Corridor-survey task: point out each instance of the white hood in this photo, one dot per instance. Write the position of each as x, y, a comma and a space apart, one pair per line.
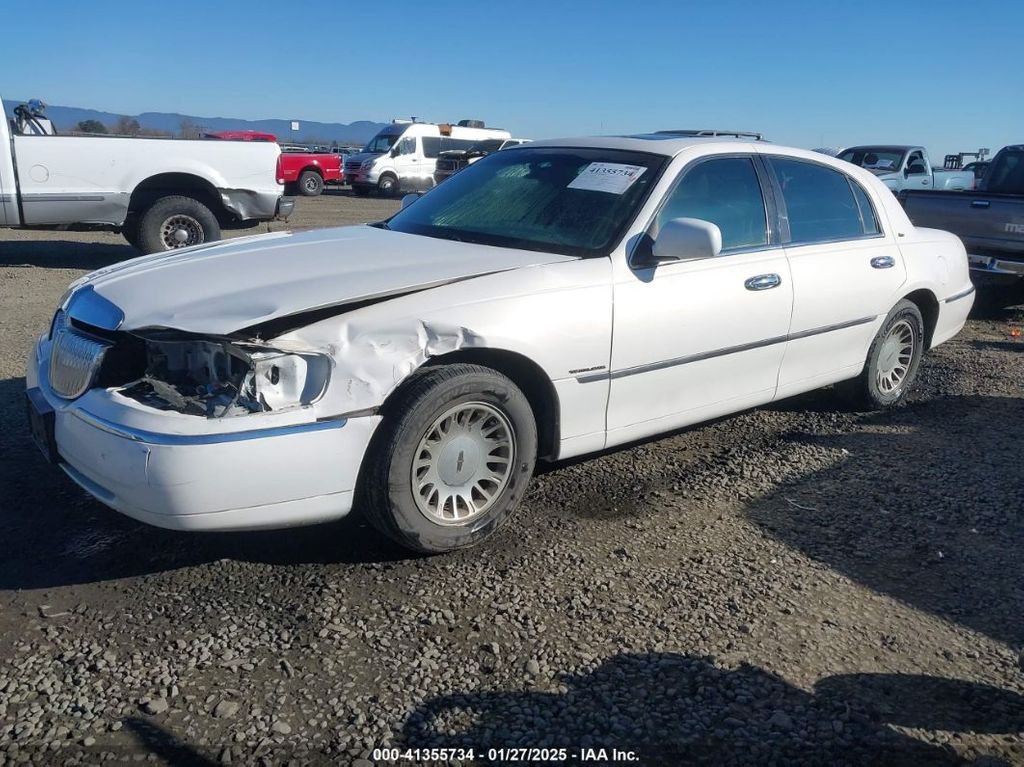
220, 288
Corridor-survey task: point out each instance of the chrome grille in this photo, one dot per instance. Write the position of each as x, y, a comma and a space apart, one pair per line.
74, 359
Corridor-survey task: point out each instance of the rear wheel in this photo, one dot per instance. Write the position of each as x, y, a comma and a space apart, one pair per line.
451, 460
176, 222
892, 363
311, 184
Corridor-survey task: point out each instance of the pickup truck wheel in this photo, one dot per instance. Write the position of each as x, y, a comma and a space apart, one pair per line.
387, 186
451, 459
311, 184
176, 222
892, 363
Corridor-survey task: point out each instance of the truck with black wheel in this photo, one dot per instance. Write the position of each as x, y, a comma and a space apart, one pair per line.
160, 193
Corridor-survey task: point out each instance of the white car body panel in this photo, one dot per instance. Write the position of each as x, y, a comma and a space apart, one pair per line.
628, 350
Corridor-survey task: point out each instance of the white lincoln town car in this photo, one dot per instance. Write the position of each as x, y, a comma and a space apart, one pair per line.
549, 301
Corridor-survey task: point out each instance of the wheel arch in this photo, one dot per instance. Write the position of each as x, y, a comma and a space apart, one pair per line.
926, 303
186, 184
315, 168
524, 373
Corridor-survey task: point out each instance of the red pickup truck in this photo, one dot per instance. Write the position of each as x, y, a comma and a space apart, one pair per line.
303, 173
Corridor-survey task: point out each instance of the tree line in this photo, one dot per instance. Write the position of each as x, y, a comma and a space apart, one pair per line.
129, 126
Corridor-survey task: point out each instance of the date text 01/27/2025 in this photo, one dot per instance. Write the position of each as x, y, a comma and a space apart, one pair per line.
517, 754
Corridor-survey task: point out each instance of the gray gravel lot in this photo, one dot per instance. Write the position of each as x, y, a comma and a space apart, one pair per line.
794, 584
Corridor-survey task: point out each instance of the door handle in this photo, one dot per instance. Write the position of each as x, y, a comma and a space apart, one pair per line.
763, 282
980, 203
883, 262
924, 183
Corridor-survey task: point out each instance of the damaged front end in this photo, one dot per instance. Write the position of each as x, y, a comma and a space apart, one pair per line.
220, 377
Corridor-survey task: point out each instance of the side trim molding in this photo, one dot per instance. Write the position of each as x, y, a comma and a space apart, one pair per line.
157, 438
661, 365
958, 296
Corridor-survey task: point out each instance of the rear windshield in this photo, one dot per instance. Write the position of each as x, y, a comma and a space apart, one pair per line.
876, 159
567, 201
1006, 174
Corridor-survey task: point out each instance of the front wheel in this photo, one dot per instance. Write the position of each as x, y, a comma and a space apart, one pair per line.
893, 359
176, 222
387, 186
451, 460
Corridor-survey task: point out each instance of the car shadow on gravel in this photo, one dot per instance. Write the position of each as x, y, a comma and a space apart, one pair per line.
922, 504
53, 534
63, 254
672, 709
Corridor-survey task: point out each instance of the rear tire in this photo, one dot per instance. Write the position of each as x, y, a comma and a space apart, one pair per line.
451, 460
892, 362
176, 222
311, 184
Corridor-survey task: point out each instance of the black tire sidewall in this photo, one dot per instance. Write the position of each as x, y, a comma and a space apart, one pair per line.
394, 503
307, 176
382, 185
149, 237
905, 310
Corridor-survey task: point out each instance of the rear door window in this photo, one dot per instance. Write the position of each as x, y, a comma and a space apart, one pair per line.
820, 202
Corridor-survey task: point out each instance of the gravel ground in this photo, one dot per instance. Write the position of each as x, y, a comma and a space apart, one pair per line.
793, 584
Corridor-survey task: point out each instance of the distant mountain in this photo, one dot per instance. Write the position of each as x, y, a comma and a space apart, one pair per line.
359, 132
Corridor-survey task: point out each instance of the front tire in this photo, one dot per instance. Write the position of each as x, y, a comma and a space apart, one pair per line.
311, 184
892, 363
387, 186
451, 460
176, 222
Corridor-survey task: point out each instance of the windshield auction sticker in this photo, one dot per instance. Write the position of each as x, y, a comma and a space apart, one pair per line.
611, 177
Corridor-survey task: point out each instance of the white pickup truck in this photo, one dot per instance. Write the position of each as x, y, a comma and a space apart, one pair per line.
906, 167
161, 194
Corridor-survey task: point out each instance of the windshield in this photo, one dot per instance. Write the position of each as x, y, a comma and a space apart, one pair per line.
875, 158
568, 201
382, 143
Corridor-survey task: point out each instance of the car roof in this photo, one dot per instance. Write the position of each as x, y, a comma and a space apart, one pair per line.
668, 144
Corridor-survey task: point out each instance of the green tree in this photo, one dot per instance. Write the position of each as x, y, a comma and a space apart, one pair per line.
91, 126
127, 126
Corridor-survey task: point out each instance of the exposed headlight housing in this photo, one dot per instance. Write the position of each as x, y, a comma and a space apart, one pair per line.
217, 378
367, 164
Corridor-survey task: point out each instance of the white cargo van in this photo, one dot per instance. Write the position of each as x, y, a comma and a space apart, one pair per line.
402, 157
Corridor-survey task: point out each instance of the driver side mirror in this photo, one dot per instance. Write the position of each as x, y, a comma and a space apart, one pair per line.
394, 151
687, 239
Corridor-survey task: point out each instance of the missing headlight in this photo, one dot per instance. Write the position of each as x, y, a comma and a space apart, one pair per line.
218, 378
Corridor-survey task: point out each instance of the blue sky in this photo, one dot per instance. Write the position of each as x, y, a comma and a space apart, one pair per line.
940, 73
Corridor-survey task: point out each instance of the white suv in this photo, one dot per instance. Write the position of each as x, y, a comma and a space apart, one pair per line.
554, 299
